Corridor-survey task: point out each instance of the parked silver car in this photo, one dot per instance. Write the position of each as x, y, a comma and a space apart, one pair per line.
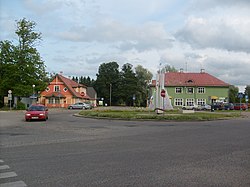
205, 107
79, 105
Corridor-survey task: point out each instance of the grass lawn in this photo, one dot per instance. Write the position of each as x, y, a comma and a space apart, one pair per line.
145, 114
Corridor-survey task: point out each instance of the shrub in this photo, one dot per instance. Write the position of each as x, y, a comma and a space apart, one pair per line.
20, 106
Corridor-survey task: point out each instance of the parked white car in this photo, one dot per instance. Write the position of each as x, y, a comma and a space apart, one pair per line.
190, 107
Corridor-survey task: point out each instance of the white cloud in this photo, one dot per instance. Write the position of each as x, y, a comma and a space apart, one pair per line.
143, 37
228, 33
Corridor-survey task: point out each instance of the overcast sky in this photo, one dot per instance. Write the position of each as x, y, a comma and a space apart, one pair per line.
79, 35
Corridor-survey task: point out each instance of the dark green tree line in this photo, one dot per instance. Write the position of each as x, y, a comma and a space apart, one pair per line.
128, 86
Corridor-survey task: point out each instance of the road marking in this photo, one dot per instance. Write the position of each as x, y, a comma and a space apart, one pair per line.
4, 167
14, 184
7, 175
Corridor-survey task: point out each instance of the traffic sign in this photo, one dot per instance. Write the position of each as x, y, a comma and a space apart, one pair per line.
9, 96
240, 95
163, 93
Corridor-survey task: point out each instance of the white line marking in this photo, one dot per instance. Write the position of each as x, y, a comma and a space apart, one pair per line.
7, 175
4, 167
14, 184
1, 161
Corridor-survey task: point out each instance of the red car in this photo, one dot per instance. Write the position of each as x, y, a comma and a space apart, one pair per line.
241, 106
37, 112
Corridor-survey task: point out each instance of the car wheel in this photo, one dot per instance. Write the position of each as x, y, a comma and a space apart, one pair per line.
70, 107
83, 108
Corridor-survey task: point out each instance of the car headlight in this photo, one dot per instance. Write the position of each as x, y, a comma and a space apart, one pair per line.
41, 114
28, 114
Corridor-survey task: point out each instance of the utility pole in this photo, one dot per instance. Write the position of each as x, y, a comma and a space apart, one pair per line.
110, 90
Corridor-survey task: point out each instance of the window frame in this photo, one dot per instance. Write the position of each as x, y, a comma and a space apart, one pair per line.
47, 89
178, 102
190, 101
65, 89
178, 88
190, 88
201, 101
199, 90
55, 88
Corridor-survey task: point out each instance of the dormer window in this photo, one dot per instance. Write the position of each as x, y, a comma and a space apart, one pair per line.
47, 89
190, 90
178, 90
190, 81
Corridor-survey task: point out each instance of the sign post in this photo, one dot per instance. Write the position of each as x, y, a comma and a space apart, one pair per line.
10, 97
246, 98
240, 95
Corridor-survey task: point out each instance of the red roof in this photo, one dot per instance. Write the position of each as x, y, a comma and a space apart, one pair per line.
191, 79
71, 85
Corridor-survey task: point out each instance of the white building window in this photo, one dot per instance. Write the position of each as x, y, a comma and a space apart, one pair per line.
201, 101
178, 102
65, 89
54, 100
56, 88
190, 90
178, 90
189, 102
201, 90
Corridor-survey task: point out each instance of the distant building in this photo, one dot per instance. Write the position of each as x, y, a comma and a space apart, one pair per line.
62, 92
194, 88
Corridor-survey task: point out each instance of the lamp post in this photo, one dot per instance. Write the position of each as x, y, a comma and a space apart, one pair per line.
33, 94
110, 89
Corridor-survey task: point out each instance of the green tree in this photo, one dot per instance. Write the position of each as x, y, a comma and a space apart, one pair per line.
129, 89
233, 92
22, 64
247, 90
107, 80
169, 68
144, 77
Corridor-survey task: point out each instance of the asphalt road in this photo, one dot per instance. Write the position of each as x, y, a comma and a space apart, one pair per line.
72, 151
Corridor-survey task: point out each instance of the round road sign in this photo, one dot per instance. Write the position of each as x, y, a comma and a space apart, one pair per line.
163, 93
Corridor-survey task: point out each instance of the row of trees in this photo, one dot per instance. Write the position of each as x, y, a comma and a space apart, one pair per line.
84, 80
126, 87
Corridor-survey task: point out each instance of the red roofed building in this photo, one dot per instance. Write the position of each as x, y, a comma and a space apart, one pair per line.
62, 92
194, 88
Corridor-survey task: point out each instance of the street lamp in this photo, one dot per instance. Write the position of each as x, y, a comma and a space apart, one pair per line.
33, 86
110, 89
33, 95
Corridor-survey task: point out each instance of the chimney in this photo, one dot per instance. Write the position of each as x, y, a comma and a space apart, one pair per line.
181, 70
202, 70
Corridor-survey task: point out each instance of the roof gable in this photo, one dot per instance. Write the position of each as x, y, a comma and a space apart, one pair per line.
70, 84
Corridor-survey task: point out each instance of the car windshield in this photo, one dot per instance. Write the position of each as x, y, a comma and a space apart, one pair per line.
37, 108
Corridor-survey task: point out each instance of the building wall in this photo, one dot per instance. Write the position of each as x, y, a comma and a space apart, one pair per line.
218, 94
